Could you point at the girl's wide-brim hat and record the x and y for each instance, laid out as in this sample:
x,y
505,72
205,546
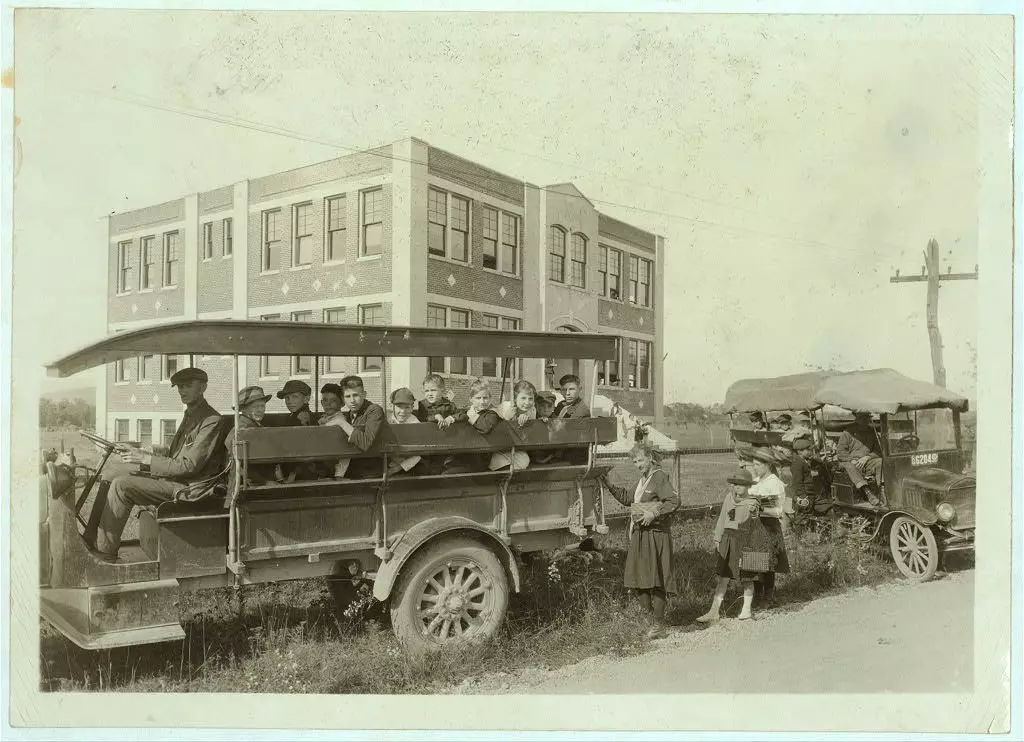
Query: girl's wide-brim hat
x,y
763,455
252,394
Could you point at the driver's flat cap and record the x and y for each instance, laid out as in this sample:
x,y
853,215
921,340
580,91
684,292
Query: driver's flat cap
x,y
189,374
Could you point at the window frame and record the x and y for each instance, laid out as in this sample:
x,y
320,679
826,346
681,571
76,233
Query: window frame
x,y
364,224
138,431
436,196
227,237
124,267
574,239
329,360
118,421
361,315
146,268
164,376
207,241
120,372
330,229
553,255
488,241
165,440
268,245
516,247
265,371
298,238
293,361
168,266
447,360
143,374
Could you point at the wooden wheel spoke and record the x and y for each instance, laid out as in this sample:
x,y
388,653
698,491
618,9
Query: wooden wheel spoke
x,y
447,576
435,584
446,628
459,574
476,591
435,623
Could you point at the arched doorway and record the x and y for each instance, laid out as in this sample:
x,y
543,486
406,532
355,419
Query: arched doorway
x,y
556,368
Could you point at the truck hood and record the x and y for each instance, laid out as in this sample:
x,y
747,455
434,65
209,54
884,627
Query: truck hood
x,y
939,480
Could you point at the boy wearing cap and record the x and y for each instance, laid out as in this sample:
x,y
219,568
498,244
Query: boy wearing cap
x,y
193,466
808,484
572,404
402,401
296,396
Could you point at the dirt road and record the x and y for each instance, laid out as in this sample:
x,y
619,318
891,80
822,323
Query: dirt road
x,y
899,637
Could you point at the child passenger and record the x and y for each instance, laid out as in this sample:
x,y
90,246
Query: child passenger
x,y
435,407
572,404
402,401
519,410
361,420
483,418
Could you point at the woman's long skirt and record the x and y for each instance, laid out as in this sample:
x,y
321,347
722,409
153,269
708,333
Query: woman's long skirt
x,y
649,560
729,549
774,528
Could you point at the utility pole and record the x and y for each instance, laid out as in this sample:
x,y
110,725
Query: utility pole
x,y
930,273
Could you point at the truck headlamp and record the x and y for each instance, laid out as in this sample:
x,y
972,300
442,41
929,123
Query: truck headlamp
x,y
945,512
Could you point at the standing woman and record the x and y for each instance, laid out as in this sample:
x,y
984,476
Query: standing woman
x,y
771,493
649,559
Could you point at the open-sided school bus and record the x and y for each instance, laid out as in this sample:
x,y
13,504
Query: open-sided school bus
x,y
927,504
441,548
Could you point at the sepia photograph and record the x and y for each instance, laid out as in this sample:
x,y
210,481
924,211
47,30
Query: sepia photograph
x,y
610,365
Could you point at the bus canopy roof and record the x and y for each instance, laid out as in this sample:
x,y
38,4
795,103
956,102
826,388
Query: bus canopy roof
x,y
880,390
257,338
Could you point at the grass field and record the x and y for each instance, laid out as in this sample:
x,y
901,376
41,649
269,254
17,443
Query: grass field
x,y
292,637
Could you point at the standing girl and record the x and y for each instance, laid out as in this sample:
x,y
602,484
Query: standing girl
x,y
649,559
771,493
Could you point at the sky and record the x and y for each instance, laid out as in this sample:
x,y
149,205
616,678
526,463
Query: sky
x,y
792,163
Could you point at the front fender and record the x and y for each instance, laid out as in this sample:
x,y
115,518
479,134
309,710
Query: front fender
x,y
425,532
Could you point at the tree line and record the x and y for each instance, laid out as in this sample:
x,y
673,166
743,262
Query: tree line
x,y
690,413
63,414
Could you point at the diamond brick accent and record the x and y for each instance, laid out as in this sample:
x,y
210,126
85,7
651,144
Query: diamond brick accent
x,y
158,305
351,280
503,292
641,321
132,399
317,285
451,280
285,289
611,314
156,399
135,308
336,286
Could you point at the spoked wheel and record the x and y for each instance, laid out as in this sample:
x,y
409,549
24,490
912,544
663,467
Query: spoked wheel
x,y
914,549
455,590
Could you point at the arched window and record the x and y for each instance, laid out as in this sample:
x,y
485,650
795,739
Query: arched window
x,y
556,254
578,261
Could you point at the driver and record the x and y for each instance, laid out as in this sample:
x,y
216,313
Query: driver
x,y
859,454
194,462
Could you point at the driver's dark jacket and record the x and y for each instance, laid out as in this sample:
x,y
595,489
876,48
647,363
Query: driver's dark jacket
x,y
196,454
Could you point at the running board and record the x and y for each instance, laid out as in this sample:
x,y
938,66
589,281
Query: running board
x,y
113,616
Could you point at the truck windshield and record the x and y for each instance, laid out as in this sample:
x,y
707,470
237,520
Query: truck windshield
x,y
921,430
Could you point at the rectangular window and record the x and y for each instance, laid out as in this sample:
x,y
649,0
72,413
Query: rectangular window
x,y
120,430
169,367
436,317
335,364
172,242
120,372
145,432
437,221
634,278
373,221
302,364
227,244
271,240
489,220
208,241
633,351
371,314
489,365
644,293
302,234
145,368
273,365
167,431
556,254
645,366
460,229
458,318
146,263
614,274
608,373
124,266
509,244
578,262
335,245
514,369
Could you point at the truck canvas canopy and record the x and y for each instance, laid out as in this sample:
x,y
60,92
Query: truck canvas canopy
x,y
881,390
258,338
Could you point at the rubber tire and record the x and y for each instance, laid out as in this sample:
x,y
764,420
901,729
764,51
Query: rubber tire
x,y
425,563
930,542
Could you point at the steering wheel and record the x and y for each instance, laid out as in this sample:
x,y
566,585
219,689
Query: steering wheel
x,y
909,442
101,442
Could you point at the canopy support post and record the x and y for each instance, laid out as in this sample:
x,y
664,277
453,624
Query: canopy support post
x,y
504,375
316,383
233,560
593,386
